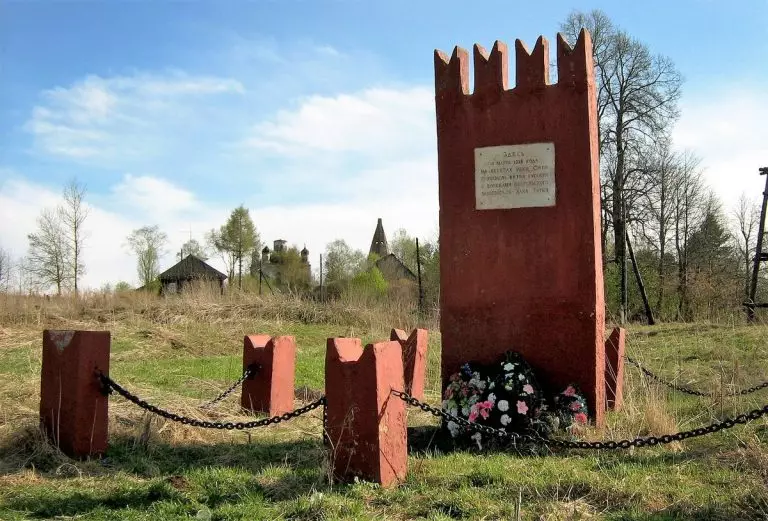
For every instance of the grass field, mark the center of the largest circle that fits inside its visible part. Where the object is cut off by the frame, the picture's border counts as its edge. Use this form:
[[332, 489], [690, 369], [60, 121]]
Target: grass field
[[177, 354]]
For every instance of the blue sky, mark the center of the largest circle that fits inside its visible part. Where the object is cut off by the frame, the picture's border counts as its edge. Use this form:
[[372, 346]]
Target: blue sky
[[318, 116]]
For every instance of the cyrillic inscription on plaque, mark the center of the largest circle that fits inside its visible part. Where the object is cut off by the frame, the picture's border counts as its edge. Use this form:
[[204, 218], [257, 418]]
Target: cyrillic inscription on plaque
[[515, 176]]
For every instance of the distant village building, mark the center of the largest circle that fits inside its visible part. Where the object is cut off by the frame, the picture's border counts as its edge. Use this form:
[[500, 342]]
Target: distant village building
[[189, 270], [390, 266], [281, 265]]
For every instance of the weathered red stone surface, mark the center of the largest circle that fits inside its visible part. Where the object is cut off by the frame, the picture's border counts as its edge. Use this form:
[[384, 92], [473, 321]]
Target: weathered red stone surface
[[414, 359], [366, 425], [527, 279], [73, 410], [614, 369], [271, 389]]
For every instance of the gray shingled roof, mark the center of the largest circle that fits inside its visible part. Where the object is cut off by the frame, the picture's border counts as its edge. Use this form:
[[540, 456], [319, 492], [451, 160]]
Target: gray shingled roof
[[190, 267]]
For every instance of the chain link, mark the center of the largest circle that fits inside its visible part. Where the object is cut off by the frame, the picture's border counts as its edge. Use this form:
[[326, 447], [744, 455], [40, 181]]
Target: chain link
[[648, 441], [109, 385], [249, 372], [688, 390]]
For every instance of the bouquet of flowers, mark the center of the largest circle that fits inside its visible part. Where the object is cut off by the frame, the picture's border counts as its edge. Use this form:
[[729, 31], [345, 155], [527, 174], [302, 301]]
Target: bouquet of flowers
[[571, 408], [504, 395]]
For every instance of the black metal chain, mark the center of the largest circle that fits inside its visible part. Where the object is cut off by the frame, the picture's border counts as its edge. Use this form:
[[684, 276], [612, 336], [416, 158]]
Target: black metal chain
[[249, 372], [108, 385], [688, 390], [648, 441]]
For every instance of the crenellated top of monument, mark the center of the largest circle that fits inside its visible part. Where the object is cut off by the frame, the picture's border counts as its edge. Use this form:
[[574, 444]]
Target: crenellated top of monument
[[574, 66]]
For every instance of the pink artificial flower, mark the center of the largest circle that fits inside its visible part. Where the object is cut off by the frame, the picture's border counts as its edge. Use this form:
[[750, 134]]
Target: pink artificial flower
[[522, 407], [484, 407], [528, 388], [448, 393], [473, 414], [569, 391], [580, 417], [575, 406]]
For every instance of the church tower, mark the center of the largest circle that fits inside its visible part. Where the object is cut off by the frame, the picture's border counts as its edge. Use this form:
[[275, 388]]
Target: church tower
[[379, 242]]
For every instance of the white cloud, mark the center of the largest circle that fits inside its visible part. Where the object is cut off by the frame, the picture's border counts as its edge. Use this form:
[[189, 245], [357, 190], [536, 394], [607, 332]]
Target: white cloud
[[726, 129], [153, 196], [118, 117], [375, 122]]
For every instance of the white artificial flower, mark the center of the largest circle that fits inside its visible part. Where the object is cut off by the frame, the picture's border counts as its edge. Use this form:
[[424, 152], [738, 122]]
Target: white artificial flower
[[465, 411], [508, 366], [520, 377], [477, 437], [453, 428], [503, 405], [508, 387], [473, 399], [492, 385], [492, 398], [453, 411], [505, 419], [481, 385]]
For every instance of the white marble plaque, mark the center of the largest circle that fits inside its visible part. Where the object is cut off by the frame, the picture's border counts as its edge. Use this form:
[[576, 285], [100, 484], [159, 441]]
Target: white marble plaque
[[515, 176]]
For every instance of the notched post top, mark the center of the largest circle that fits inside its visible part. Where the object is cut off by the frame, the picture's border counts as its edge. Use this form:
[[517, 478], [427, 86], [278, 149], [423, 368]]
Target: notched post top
[[452, 75], [532, 68], [491, 72], [574, 66]]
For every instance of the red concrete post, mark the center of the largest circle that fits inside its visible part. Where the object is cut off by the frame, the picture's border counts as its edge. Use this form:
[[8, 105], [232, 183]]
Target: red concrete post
[[521, 260], [271, 389], [73, 410], [366, 427], [614, 369], [414, 359]]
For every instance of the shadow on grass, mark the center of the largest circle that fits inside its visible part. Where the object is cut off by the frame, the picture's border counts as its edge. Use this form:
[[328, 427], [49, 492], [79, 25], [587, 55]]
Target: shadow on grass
[[429, 439], [29, 449], [164, 478]]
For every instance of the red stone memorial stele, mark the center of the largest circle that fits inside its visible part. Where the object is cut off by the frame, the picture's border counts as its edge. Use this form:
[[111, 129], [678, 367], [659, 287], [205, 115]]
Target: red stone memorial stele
[[73, 409], [366, 424], [520, 253], [271, 388]]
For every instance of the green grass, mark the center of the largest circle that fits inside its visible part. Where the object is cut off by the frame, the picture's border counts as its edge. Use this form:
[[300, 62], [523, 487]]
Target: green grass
[[158, 470]]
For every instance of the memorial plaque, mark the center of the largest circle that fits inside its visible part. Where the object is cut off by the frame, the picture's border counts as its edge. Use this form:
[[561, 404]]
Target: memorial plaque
[[515, 176]]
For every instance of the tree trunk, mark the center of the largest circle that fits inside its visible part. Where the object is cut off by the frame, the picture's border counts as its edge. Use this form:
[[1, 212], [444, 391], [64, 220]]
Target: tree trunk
[[619, 224]]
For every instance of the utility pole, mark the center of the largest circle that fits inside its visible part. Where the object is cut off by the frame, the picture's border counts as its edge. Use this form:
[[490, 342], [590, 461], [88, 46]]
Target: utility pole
[[321, 278], [759, 255], [640, 285], [418, 270]]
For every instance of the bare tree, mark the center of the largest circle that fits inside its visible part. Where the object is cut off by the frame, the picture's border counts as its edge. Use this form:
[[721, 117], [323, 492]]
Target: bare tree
[[5, 270], [637, 101], [662, 170], [689, 198], [746, 218], [72, 214], [148, 243], [49, 253]]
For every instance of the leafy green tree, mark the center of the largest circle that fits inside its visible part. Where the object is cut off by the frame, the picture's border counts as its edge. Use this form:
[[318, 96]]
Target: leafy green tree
[[403, 246], [341, 263], [235, 241], [123, 287], [192, 247], [148, 243], [369, 283], [293, 273]]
